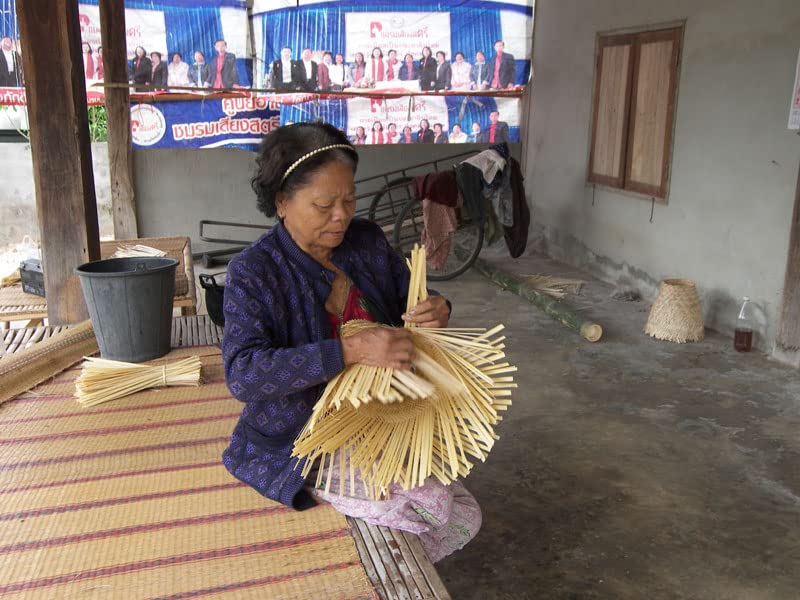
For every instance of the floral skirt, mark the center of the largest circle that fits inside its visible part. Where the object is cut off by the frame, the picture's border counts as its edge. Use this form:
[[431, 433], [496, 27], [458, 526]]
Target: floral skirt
[[445, 517]]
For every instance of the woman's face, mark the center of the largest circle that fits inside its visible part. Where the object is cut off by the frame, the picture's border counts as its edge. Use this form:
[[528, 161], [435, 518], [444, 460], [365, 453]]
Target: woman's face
[[409, 59], [198, 57], [440, 59], [140, 52], [339, 59], [154, 57], [176, 59], [423, 124], [376, 53], [407, 131], [359, 57], [426, 52], [459, 58], [393, 129], [360, 132], [318, 214], [85, 48], [377, 126], [437, 129]]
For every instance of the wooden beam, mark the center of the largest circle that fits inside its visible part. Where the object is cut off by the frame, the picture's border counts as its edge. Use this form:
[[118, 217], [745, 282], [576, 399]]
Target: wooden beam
[[118, 116], [62, 154], [788, 339]]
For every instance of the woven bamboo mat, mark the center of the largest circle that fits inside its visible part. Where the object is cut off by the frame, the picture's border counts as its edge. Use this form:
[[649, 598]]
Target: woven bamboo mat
[[16, 303], [174, 247], [129, 499]]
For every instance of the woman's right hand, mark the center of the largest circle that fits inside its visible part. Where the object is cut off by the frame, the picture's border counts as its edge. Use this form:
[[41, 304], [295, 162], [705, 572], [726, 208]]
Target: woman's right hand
[[379, 347]]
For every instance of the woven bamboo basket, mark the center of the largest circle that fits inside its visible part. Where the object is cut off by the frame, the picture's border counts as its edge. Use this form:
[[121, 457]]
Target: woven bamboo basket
[[676, 315]]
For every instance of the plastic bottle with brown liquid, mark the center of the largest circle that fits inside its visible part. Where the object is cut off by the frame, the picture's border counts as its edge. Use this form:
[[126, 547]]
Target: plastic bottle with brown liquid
[[743, 335]]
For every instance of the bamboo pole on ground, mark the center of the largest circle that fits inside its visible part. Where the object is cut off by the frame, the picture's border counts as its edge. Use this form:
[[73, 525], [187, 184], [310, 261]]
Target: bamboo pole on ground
[[552, 308]]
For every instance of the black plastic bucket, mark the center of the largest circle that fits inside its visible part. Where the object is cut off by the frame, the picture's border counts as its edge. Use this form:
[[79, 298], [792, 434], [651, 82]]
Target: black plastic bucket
[[130, 304]]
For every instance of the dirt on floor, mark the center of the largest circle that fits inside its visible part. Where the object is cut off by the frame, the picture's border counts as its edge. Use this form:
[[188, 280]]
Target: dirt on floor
[[630, 468]]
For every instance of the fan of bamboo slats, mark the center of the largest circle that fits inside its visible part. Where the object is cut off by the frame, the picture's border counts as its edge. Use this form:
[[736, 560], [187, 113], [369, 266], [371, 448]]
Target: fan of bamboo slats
[[402, 427]]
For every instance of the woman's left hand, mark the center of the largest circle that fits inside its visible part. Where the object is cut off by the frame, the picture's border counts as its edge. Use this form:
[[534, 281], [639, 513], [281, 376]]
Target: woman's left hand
[[432, 312]]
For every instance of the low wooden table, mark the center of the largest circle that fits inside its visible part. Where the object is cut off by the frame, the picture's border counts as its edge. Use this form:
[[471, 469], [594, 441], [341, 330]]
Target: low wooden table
[[395, 561], [16, 305]]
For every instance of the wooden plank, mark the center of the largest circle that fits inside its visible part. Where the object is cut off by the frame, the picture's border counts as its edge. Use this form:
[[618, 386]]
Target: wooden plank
[[788, 339], [409, 582], [410, 560], [380, 567], [202, 339], [60, 148], [392, 570], [427, 568], [175, 339], [118, 115], [195, 331], [26, 338], [17, 339], [366, 559]]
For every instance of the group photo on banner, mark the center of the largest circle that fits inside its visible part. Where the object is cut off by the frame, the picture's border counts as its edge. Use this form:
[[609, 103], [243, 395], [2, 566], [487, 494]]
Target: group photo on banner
[[375, 48], [382, 74]]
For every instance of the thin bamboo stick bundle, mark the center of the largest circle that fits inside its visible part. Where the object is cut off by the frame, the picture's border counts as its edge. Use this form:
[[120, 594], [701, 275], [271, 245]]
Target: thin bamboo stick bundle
[[102, 380], [405, 426], [553, 286], [137, 250]]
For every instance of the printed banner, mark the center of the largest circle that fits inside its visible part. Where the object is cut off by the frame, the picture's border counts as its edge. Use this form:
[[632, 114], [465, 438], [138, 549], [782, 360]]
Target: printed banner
[[403, 32], [186, 43], [229, 122], [145, 28], [348, 46]]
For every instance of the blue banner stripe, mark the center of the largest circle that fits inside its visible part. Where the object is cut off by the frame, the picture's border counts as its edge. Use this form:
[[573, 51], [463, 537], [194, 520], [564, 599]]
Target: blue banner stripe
[[394, 6]]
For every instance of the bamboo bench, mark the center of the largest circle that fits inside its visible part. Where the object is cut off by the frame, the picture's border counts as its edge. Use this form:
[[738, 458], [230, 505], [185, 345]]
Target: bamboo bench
[[394, 561]]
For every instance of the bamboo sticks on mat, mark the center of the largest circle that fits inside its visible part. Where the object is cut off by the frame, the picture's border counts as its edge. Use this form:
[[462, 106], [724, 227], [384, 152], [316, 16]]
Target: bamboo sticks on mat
[[102, 380], [405, 426]]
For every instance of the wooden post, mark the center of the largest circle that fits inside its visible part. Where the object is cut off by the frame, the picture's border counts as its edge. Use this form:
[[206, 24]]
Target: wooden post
[[788, 339], [118, 115], [62, 154]]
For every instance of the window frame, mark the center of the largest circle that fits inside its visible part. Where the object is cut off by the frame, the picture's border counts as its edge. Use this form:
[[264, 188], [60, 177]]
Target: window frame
[[635, 38]]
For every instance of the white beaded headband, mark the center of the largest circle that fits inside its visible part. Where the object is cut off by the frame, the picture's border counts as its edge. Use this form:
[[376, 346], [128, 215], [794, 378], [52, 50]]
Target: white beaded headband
[[305, 157]]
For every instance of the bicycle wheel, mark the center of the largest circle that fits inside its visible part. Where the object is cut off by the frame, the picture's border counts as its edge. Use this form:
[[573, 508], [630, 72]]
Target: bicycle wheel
[[389, 201], [453, 256]]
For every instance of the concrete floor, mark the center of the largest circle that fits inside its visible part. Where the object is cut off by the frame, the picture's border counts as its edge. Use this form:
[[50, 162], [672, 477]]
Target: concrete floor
[[630, 468]]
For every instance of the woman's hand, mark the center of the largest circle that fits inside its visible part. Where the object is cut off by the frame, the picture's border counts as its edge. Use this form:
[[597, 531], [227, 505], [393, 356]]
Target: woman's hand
[[379, 347], [432, 312]]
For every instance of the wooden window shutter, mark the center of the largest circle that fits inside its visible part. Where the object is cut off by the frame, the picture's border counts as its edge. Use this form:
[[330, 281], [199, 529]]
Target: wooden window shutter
[[652, 109], [614, 75]]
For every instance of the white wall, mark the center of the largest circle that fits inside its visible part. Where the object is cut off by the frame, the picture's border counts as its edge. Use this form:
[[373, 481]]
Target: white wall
[[734, 166], [18, 201]]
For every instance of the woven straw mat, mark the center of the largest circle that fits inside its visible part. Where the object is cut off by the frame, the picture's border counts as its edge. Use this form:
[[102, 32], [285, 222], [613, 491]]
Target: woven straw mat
[[129, 499]]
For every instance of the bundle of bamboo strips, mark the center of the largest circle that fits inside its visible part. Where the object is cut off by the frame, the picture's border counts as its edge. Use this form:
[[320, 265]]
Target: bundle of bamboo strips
[[102, 380], [137, 250], [405, 426], [555, 287]]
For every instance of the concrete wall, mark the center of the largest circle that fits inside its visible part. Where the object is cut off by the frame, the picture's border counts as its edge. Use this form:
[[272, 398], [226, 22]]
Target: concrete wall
[[17, 200], [734, 166], [177, 188]]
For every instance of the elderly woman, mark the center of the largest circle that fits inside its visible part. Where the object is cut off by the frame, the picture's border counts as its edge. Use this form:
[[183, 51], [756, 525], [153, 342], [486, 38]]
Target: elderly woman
[[287, 295]]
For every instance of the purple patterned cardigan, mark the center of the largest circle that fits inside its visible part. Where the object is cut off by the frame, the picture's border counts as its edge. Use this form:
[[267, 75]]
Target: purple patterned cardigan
[[277, 348]]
